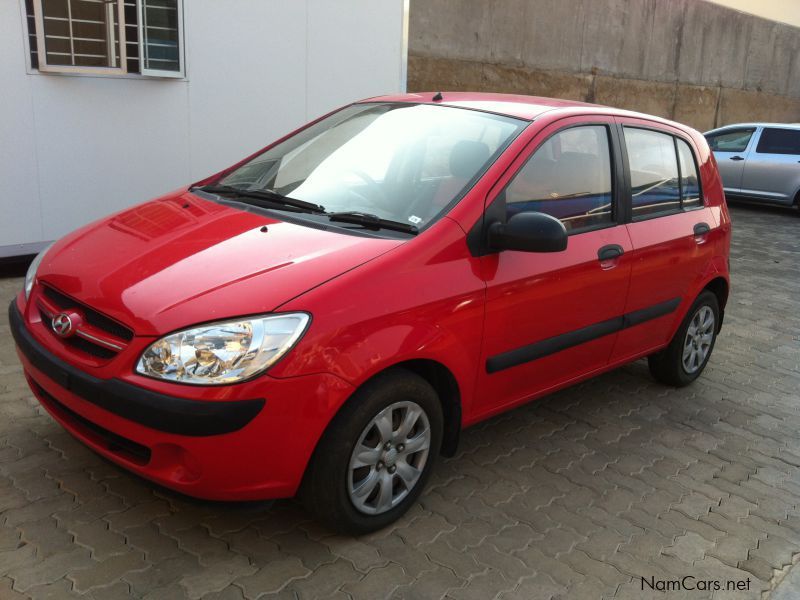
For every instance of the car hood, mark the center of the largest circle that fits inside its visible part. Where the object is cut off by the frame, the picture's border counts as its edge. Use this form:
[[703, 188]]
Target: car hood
[[181, 260]]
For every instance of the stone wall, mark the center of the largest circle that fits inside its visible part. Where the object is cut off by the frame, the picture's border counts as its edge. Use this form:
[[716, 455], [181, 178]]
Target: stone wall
[[688, 60]]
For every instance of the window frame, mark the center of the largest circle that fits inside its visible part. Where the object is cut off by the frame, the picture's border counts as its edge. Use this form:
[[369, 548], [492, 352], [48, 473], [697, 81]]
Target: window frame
[[616, 191], [41, 48], [700, 195], [145, 72], [754, 130], [621, 125], [122, 71]]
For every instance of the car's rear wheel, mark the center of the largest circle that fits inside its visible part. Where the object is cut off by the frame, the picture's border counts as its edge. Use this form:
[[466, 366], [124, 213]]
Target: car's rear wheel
[[687, 355], [376, 455]]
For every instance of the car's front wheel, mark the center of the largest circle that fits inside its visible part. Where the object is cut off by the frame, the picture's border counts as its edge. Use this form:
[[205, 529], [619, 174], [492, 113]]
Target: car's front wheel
[[376, 455], [687, 355]]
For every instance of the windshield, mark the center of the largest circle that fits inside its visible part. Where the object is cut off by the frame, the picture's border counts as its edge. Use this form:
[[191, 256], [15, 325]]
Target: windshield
[[398, 162]]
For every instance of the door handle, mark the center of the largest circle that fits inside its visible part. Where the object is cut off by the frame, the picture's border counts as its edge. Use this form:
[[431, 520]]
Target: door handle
[[737, 158], [610, 252], [701, 229]]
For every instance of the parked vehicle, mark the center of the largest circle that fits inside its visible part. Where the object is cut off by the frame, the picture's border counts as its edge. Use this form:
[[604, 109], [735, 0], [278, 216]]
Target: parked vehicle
[[326, 316], [759, 161]]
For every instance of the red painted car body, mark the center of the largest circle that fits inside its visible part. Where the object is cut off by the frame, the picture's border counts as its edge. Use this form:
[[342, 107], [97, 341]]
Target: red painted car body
[[429, 302]]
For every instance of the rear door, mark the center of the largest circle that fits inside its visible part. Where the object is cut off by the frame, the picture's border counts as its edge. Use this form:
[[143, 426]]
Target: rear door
[[669, 229], [730, 148], [772, 169], [553, 317]]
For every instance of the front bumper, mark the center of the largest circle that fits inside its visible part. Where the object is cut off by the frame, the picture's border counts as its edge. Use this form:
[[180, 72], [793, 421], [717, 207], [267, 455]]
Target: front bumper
[[158, 411], [238, 448]]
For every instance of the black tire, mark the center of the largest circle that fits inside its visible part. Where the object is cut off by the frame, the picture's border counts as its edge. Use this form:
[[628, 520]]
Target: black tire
[[325, 487], [667, 365]]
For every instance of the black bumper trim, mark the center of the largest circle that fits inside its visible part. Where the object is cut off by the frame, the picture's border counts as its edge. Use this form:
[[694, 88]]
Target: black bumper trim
[[158, 411]]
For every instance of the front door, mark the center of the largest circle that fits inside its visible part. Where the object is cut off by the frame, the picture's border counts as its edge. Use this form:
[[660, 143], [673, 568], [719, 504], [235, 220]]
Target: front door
[[730, 150], [553, 317]]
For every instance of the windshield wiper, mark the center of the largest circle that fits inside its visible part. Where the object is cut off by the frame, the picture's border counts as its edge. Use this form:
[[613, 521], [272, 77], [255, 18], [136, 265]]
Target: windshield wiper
[[371, 221], [267, 195]]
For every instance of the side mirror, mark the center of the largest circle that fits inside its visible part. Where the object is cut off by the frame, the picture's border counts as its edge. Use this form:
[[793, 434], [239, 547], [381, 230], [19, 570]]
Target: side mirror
[[529, 232]]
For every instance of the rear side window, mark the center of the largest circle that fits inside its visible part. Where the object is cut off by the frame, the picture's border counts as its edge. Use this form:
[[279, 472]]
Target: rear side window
[[731, 141], [568, 177], [779, 141], [654, 172], [690, 182]]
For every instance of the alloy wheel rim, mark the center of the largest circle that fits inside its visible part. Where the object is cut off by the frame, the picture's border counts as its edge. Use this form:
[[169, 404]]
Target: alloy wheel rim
[[698, 340], [389, 457]]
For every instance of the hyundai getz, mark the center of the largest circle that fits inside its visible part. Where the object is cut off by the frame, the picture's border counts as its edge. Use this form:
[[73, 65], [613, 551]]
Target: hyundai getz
[[326, 316]]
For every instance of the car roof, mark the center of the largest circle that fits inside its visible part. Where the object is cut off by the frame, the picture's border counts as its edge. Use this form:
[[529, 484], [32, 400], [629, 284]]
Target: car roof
[[515, 105], [762, 124]]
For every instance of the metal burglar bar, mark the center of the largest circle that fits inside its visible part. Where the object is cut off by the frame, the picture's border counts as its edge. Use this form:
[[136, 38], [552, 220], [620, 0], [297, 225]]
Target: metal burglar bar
[[106, 36], [160, 47], [80, 36]]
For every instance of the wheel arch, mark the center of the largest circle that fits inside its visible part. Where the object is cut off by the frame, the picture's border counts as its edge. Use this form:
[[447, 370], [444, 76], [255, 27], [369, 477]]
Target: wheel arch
[[444, 382], [720, 288]]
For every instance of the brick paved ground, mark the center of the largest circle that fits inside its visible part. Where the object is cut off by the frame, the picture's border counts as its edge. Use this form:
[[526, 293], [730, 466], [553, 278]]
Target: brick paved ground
[[577, 496]]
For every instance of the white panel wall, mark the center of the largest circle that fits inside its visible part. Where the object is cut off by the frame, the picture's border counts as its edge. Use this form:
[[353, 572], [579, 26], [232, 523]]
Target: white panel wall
[[74, 148], [20, 209]]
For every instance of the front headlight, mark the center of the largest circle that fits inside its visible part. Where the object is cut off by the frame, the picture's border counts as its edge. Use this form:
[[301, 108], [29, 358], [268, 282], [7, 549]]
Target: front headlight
[[30, 276], [223, 352]]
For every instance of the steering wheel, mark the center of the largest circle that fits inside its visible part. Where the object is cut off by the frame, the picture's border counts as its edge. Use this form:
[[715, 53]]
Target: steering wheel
[[378, 196]]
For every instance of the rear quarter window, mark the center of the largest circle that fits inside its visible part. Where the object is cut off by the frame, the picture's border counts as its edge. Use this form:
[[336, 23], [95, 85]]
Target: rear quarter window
[[690, 181], [779, 141]]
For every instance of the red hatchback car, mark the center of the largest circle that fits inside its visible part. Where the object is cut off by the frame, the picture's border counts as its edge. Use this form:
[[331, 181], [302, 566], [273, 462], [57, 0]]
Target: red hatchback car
[[326, 316]]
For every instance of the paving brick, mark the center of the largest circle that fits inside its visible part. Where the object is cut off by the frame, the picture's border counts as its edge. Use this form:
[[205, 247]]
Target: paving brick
[[325, 580], [106, 572], [50, 569], [429, 586], [162, 574], [221, 573], [380, 582], [99, 539]]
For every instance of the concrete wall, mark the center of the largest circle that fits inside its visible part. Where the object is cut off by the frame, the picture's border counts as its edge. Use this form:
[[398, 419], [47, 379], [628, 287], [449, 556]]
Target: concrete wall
[[689, 60], [74, 148]]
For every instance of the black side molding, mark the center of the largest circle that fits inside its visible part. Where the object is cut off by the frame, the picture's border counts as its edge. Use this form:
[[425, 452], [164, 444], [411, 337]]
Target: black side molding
[[151, 409], [532, 352]]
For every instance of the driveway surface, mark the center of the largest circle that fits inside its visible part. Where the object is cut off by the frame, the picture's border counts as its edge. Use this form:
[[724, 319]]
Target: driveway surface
[[619, 487]]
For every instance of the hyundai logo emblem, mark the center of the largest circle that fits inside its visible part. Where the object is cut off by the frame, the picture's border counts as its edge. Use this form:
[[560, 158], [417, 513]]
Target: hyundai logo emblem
[[62, 325]]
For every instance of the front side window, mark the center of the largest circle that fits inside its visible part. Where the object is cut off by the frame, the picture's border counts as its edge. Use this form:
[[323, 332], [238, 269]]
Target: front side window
[[402, 162], [653, 166], [735, 140], [568, 177], [779, 141], [105, 37]]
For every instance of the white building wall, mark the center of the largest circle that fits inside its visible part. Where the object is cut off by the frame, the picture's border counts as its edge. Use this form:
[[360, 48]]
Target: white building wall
[[75, 147]]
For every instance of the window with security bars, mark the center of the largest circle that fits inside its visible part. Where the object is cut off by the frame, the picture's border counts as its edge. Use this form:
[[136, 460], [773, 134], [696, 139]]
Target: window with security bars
[[106, 36]]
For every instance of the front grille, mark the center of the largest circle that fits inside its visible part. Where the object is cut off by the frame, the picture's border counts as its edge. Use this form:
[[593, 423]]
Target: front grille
[[97, 336], [93, 317], [122, 446], [81, 344]]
